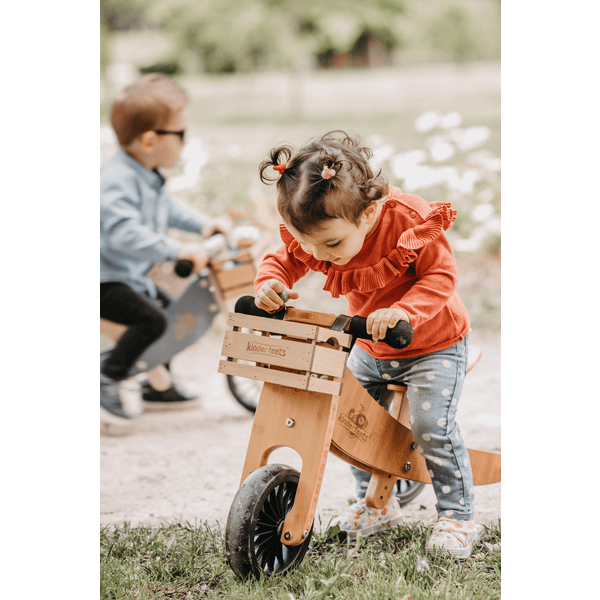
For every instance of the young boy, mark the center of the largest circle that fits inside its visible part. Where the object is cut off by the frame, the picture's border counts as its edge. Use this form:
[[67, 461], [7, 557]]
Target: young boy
[[149, 119]]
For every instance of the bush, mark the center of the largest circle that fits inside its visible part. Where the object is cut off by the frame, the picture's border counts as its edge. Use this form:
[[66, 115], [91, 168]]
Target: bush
[[171, 67]]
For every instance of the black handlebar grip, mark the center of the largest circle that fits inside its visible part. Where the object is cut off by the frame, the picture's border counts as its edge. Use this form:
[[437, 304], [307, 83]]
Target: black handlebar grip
[[184, 268], [246, 306], [398, 337]]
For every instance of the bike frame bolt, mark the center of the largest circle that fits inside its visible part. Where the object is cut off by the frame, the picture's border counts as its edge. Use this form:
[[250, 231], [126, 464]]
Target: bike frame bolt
[[287, 535], [290, 422], [414, 445], [305, 533], [407, 466]]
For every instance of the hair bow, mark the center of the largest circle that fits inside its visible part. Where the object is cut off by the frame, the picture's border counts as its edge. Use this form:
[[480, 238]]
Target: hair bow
[[328, 173]]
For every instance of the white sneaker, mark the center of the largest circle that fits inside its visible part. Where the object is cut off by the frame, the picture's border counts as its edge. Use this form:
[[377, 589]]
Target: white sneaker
[[454, 537], [360, 518]]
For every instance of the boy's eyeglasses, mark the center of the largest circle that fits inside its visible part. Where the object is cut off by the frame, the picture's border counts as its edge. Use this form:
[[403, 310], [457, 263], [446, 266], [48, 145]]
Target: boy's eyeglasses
[[181, 133]]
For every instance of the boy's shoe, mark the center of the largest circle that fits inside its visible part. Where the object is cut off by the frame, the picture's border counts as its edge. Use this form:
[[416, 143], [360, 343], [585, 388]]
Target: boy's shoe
[[454, 537], [169, 399], [359, 518], [111, 407]]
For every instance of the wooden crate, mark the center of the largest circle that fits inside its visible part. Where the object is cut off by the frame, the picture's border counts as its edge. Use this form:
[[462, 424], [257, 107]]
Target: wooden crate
[[306, 357], [233, 273]]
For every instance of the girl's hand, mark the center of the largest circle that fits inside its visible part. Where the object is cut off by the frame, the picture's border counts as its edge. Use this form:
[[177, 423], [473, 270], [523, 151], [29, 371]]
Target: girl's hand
[[379, 321], [268, 297]]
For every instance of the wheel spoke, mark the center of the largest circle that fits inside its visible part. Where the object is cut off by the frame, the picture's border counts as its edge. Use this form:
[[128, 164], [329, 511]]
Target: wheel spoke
[[279, 500], [269, 509]]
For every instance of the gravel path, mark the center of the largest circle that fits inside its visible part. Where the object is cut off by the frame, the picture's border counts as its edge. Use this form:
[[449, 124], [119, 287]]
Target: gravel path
[[185, 466]]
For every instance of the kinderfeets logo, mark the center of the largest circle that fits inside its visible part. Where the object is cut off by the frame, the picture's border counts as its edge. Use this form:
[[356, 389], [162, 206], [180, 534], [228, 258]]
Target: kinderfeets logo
[[265, 349]]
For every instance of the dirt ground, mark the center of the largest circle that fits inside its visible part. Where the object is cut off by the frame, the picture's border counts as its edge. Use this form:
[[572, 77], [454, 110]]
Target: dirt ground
[[185, 466]]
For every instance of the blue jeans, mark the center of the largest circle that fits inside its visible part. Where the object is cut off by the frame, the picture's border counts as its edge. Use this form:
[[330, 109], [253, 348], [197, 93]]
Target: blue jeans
[[434, 383]]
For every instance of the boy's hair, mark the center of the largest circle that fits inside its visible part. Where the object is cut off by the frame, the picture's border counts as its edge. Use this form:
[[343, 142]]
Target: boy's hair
[[328, 178], [145, 105]]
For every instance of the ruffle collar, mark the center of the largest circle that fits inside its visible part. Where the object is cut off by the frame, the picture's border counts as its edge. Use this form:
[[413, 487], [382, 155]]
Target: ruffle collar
[[374, 277]]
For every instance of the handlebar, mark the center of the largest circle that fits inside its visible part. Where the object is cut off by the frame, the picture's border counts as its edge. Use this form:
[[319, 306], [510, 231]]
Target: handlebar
[[398, 337], [184, 267]]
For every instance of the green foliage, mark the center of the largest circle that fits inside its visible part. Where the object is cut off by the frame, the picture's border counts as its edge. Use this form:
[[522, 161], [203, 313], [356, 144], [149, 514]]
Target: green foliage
[[171, 67], [184, 561], [226, 37]]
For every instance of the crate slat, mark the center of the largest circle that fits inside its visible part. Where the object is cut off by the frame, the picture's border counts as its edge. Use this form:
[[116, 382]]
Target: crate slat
[[238, 275], [286, 378], [272, 351], [325, 386], [327, 361], [298, 330]]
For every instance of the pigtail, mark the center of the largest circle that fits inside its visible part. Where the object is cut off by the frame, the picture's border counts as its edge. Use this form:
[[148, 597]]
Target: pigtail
[[278, 161], [329, 177]]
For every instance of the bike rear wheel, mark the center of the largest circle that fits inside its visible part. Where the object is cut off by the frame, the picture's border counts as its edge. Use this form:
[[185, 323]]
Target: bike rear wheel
[[407, 491], [245, 391]]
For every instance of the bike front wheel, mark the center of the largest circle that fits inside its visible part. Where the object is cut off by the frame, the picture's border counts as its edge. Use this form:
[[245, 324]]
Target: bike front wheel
[[255, 523]]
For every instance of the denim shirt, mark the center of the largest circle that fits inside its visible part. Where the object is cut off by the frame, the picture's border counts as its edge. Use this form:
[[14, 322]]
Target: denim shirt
[[136, 210]]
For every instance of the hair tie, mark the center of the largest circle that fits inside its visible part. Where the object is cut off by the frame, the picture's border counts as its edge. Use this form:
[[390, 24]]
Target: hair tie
[[280, 168], [328, 173]]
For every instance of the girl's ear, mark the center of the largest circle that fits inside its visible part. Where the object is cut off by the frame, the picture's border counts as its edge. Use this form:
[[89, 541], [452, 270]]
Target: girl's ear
[[371, 213]]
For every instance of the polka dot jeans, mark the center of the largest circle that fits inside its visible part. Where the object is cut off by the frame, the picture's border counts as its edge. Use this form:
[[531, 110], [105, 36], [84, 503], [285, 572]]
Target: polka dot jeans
[[434, 383]]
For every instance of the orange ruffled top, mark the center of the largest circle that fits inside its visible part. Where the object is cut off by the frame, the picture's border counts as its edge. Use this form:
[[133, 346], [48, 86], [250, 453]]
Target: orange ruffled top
[[406, 262]]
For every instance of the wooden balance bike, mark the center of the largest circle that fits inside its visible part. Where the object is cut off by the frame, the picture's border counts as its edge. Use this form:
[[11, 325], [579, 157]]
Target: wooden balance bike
[[312, 403], [191, 303]]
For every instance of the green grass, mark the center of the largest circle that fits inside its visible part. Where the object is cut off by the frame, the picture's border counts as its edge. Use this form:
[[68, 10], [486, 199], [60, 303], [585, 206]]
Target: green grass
[[184, 562]]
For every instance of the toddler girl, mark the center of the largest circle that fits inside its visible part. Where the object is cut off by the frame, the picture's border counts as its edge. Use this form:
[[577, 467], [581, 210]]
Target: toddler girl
[[386, 251]]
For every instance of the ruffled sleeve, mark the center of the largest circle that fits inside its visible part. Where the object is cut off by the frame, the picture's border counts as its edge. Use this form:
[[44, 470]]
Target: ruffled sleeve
[[377, 276], [439, 219]]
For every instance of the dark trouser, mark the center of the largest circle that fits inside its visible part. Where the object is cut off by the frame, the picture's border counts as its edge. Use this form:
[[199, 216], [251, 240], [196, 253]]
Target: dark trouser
[[145, 321]]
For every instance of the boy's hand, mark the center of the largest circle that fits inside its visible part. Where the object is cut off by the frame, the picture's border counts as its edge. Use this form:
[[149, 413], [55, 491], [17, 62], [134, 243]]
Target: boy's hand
[[222, 224], [380, 320], [268, 297], [194, 252]]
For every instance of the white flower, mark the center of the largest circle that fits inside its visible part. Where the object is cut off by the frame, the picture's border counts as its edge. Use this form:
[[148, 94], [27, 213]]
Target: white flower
[[482, 212], [427, 121], [450, 120]]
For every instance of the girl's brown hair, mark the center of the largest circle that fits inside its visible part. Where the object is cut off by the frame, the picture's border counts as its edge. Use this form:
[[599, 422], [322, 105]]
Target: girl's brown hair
[[328, 178], [145, 105]]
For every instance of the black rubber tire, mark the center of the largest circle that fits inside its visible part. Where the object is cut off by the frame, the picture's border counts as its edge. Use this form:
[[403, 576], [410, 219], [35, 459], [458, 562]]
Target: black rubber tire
[[245, 391], [407, 491], [253, 531]]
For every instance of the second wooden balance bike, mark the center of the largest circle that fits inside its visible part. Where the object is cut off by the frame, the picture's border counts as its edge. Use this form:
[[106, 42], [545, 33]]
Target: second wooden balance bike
[[312, 403], [193, 301]]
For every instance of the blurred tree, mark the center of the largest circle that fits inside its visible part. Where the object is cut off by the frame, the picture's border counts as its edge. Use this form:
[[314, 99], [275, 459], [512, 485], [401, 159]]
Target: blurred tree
[[251, 34], [246, 35], [458, 30], [123, 14]]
